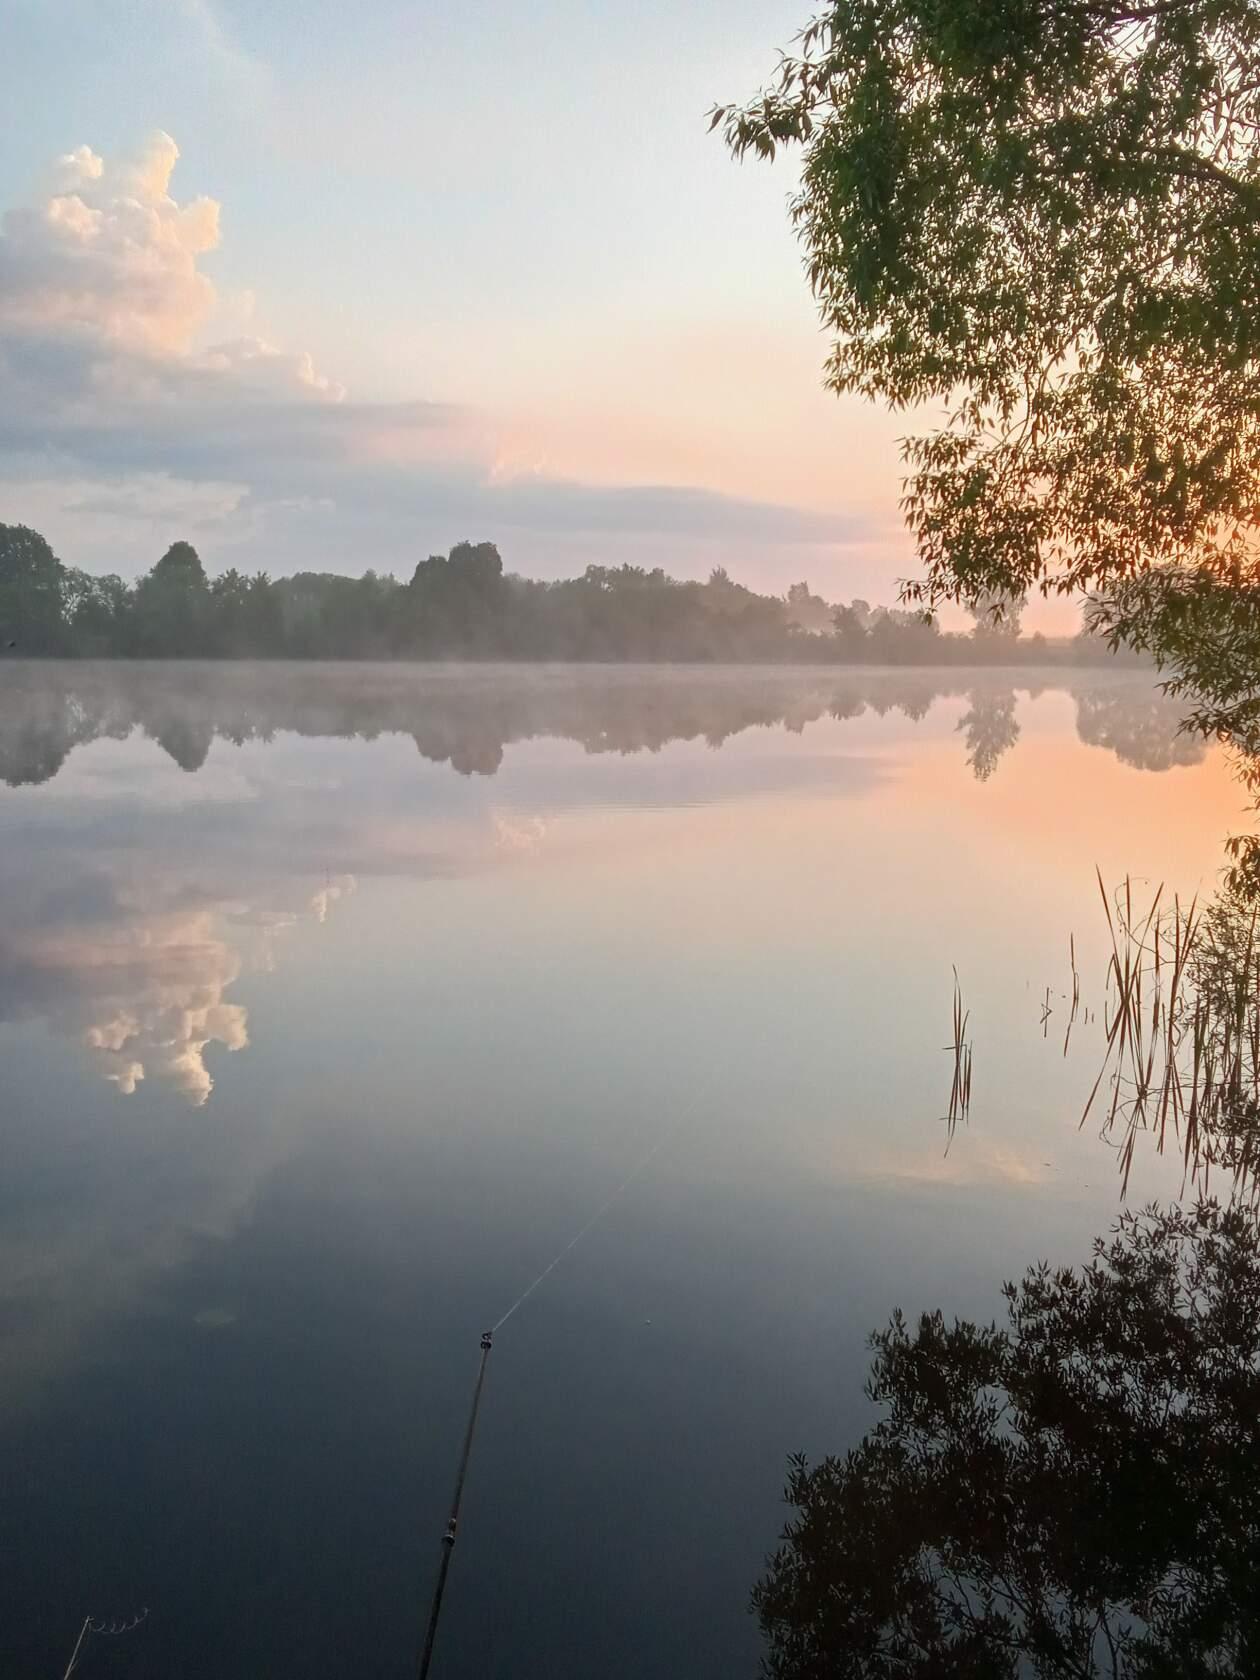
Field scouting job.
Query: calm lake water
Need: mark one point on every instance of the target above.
(334, 1000)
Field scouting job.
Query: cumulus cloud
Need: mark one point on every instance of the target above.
(104, 307)
(109, 372)
(75, 169)
(110, 255)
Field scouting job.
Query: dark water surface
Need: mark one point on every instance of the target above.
(333, 1000)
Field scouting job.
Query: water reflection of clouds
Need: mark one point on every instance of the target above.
(139, 893)
(518, 833)
(973, 1162)
(158, 995)
(125, 1212)
(142, 985)
(486, 1056)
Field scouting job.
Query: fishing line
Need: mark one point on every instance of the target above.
(487, 1336)
(94, 1625)
(590, 1225)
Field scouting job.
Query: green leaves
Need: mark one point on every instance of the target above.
(1046, 215)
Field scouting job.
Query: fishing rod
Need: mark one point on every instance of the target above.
(452, 1522)
(487, 1343)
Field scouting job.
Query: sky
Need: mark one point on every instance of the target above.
(328, 287)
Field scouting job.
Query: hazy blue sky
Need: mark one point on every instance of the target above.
(329, 285)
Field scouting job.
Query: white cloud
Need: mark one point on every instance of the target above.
(109, 376)
(254, 365)
(76, 168)
(111, 255)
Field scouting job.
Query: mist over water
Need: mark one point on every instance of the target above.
(333, 999)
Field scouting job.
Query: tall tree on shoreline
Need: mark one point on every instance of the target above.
(171, 604)
(32, 580)
(1040, 219)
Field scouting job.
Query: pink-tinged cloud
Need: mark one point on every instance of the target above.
(110, 382)
(111, 254)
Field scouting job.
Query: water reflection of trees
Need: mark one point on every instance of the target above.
(467, 717)
(990, 728)
(1137, 730)
(1076, 1494)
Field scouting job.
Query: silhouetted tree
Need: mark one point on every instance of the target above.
(850, 633)
(457, 602)
(97, 612)
(245, 615)
(807, 610)
(898, 638)
(180, 567)
(170, 615)
(1076, 1494)
(31, 582)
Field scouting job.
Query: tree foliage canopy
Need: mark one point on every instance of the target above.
(30, 590)
(1042, 217)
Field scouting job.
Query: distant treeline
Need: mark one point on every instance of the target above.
(464, 606)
